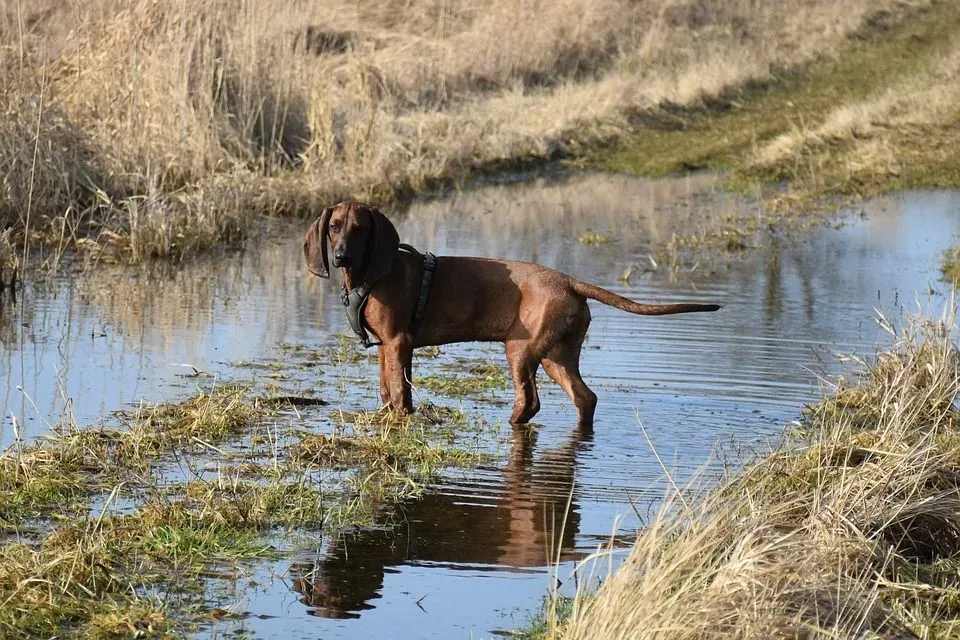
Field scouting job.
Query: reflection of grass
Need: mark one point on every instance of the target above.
(950, 265)
(9, 261)
(850, 529)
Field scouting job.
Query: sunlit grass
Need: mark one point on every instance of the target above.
(233, 109)
(851, 528)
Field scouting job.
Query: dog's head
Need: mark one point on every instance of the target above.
(363, 240)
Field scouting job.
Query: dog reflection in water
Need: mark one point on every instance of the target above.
(519, 527)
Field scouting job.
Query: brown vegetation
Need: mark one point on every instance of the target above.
(149, 128)
(850, 529)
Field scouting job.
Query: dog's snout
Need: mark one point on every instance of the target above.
(340, 258)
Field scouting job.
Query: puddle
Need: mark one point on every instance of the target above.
(471, 557)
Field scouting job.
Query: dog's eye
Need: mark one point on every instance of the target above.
(335, 227)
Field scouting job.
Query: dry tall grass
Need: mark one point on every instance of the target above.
(850, 530)
(154, 128)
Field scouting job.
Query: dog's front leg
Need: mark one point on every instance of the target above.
(384, 384)
(396, 357)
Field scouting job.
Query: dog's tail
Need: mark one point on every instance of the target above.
(608, 297)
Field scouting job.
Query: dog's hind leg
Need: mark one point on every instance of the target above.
(562, 364)
(523, 369)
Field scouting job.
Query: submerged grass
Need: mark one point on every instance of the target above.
(479, 379)
(850, 529)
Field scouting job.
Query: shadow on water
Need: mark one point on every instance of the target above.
(471, 555)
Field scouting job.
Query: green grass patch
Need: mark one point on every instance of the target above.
(722, 134)
(479, 379)
(92, 572)
(592, 238)
(556, 610)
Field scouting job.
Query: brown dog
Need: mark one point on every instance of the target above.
(541, 315)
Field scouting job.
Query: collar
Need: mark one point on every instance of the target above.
(355, 300)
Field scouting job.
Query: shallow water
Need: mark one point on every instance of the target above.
(470, 557)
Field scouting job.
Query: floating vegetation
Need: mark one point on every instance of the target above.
(592, 238)
(480, 379)
(950, 265)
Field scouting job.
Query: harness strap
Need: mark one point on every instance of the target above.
(355, 300)
(429, 266)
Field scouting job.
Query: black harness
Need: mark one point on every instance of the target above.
(355, 300)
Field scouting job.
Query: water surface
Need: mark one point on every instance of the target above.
(471, 557)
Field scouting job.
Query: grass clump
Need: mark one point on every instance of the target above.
(38, 479)
(556, 610)
(69, 586)
(592, 238)
(229, 500)
(391, 457)
(480, 378)
(417, 445)
(63, 470)
(950, 265)
(850, 529)
(226, 519)
(207, 418)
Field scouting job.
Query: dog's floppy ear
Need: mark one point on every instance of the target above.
(315, 245)
(383, 246)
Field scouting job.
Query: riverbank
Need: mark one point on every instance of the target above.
(148, 131)
(849, 528)
(877, 115)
